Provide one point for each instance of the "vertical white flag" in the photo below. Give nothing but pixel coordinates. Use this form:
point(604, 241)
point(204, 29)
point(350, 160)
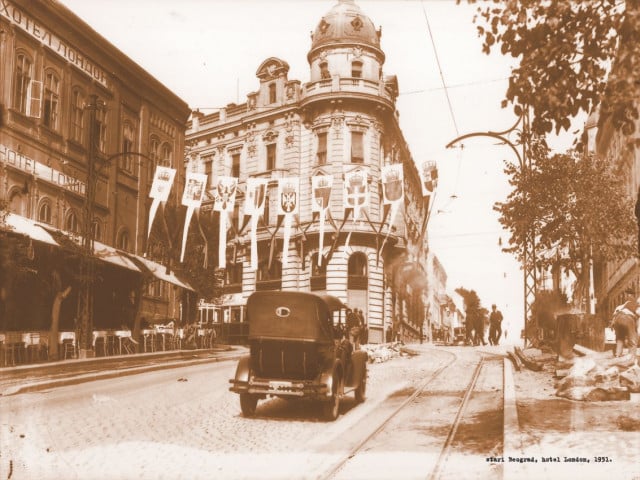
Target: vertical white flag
point(192, 197)
point(224, 198)
point(288, 205)
point(160, 189)
point(254, 205)
point(321, 194)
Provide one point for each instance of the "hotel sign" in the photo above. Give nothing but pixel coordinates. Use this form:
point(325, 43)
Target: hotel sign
point(56, 44)
point(40, 170)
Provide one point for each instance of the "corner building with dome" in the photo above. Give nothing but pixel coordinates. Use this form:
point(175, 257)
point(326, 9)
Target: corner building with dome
point(341, 123)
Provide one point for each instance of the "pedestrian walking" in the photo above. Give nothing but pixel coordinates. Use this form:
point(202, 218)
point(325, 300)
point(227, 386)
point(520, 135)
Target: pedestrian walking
point(495, 325)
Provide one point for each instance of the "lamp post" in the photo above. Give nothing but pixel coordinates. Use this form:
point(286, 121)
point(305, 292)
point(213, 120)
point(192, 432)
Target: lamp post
point(521, 126)
point(95, 165)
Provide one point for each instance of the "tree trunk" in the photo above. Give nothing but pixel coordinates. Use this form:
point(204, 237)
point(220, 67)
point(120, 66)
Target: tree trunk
point(55, 321)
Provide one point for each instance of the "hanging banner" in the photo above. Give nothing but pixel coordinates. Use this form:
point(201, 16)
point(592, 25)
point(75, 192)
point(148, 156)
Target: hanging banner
point(356, 190)
point(288, 199)
point(429, 177)
point(321, 197)
point(160, 189)
point(254, 206)
point(392, 189)
point(224, 199)
point(192, 198)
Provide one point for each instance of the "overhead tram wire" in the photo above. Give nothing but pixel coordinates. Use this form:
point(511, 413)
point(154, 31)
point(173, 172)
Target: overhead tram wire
point(454, 195)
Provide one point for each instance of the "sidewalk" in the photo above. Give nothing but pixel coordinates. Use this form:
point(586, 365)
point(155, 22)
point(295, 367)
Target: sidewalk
point(40, 376)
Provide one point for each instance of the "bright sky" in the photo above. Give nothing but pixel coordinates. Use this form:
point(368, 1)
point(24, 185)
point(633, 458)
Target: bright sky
point(207, 52)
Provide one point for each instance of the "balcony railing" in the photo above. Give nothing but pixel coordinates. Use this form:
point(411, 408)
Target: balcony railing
point(346, 85)
point(357, 282)
point(319, 282)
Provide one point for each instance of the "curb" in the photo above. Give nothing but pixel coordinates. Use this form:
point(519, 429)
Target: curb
point(84, 378)
point(512, 440)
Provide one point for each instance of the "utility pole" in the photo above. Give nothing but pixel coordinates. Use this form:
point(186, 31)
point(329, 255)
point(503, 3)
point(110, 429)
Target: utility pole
point(524, 161)
point(84, 319)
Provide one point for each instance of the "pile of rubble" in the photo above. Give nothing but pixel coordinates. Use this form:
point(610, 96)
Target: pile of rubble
point(383, 352)
point(589, 375)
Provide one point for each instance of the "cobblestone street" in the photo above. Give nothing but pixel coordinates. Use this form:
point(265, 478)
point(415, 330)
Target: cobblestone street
point(181, 423)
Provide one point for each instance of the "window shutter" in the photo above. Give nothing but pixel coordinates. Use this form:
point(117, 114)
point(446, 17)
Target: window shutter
point(34, 99)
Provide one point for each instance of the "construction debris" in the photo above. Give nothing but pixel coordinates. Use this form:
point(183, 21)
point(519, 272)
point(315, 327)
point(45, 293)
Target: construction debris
point(383, 352)
point(597, 377)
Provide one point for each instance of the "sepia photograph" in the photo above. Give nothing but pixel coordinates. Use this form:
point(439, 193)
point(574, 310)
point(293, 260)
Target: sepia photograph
point(319, 239)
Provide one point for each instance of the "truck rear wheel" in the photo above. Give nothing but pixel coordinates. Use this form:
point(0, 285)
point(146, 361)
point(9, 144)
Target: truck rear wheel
point(248, 404)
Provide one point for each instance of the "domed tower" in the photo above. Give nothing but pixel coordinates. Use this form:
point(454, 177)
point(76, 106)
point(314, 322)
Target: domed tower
point(348, 109)
point(345, 43)
point(339, 135)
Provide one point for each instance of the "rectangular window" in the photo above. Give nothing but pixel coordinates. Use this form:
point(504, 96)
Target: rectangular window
point(357, 147)
point(51, 99)
point(322, 148)
point(235, 165)
point(271, 156)
point(356, 69)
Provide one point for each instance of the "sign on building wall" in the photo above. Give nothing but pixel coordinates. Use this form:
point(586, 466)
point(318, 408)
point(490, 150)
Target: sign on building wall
point(58, 46)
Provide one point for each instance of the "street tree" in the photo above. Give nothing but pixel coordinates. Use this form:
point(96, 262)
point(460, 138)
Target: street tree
point(475, 313)
point(573, 55)
point(579, 208)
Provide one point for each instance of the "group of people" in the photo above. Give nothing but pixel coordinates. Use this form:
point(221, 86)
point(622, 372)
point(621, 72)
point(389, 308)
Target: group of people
point(475, 333)
point(625, 323)
point(355, 326)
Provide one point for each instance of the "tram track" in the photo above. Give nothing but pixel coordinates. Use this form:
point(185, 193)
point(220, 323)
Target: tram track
point(434, 460)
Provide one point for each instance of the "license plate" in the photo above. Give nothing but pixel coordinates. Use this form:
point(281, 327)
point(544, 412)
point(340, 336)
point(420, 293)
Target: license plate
point(277, 385)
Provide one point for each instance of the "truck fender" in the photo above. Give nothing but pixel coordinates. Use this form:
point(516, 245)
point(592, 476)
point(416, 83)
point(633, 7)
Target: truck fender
point(328, 376)
point(359, 359)
point(243, 369)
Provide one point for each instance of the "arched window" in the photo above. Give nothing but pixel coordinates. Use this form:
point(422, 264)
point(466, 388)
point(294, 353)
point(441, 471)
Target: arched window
point(96, 230)
point(272, 93)
point(100, 126)
point(154, 155)
point(318, 273)
point(77, 114)
point(269, 278)
point(44, 212)
point(166, 155)
point(22, 82)
point(123, 240)
point(324, 71)
point(51, 100)
point(17, 203)
point(127, 146)
point(72, 224)
point(357, 272)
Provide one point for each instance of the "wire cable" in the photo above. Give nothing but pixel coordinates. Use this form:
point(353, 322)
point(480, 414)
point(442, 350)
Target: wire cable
point(444, 84)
